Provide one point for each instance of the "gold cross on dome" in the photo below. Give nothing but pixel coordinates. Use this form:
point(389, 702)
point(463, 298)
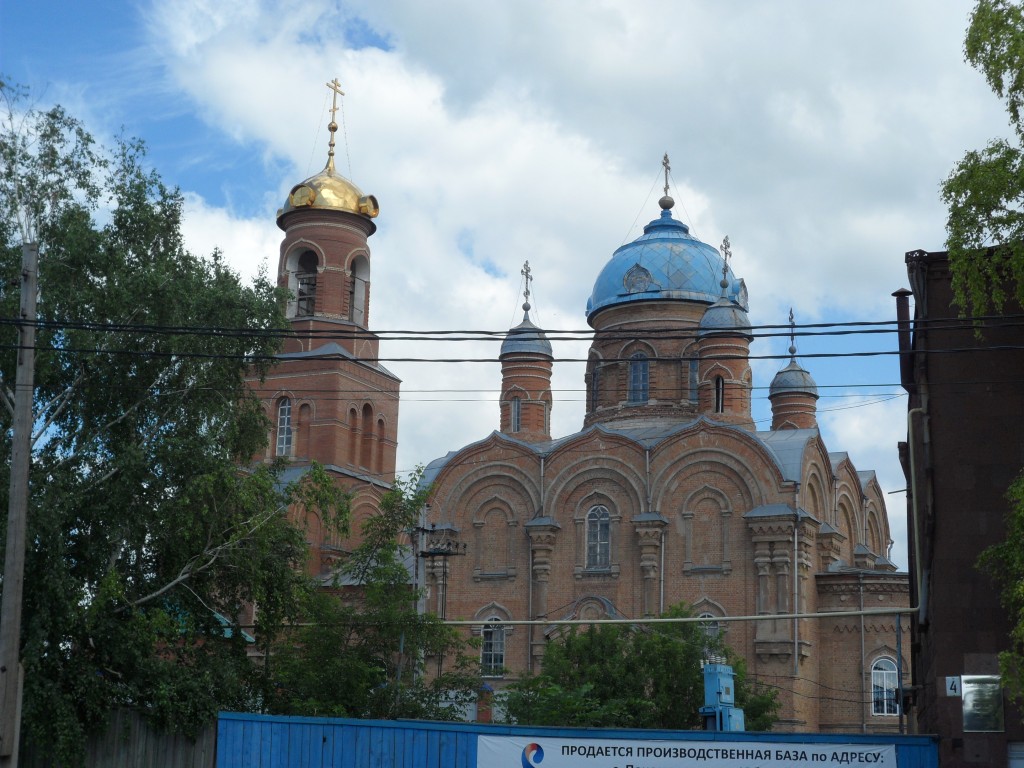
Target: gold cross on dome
point(335, 86)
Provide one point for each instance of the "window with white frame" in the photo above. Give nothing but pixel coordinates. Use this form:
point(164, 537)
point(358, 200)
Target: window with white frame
point(598, 538)
point(639, 378)
point(492, 650)
point(517, 413)
point(884, 687)
point(284, 427)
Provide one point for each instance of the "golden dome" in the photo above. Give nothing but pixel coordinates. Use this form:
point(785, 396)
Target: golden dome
point(329, 190)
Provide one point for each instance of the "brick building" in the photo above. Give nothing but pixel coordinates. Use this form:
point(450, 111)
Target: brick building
point(670, 493)
point(327, 397)
point(965, 446)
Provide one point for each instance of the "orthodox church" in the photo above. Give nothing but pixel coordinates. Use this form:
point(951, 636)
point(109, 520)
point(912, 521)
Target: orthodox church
point(328, 398)
point(671, 493)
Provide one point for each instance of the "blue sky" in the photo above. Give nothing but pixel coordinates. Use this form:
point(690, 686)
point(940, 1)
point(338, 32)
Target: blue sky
point(814, 134)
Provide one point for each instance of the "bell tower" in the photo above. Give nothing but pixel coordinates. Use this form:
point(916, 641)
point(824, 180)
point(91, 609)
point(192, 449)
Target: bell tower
point(328, 397)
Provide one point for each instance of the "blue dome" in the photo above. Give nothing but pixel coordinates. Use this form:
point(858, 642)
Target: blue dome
point(665, 262)
point(793, 379)
point(526, 338)
point(725, 316)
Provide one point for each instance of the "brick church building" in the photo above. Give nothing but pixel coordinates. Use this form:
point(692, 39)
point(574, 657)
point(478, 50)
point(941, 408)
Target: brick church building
point(328, 398)
point(671, 493)
point(668, 494)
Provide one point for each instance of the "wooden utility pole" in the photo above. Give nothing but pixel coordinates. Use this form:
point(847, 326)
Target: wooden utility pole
point(17, 512)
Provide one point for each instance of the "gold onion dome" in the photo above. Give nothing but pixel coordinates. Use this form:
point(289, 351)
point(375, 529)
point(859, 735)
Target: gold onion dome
point(329, 190)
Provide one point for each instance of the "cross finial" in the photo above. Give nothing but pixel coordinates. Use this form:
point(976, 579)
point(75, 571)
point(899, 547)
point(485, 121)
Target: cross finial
point(792, 335)
point(335, 86)
point(528, 277)
point(726, 255)
point(667, 167)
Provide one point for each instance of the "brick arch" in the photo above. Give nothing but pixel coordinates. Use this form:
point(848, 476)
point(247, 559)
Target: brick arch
point(717, 369)
point(483, 480)
point(597, 469)
point(814, 497)
point(633, 346)
point(722, 460)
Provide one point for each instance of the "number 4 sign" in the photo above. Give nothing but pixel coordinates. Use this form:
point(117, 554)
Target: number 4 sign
point(953, 686)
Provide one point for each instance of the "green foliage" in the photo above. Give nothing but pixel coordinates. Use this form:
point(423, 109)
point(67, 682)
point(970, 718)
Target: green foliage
point(630, 676)
point(365, 654)
point(985, 191)
point(1005, 562)
point(145, 540)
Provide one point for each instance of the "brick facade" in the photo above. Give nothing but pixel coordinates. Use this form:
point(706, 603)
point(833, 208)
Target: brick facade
point(669, 495)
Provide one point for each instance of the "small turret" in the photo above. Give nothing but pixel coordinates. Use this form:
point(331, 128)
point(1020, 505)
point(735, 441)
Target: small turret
point(793, 393)
point(723, 336)
point(526, 359)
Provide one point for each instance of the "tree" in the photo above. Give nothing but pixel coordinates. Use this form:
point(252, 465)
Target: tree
point(364, 653)
point(985, 191)
point(1005, 562)
point(146, 541)
point(631, 676)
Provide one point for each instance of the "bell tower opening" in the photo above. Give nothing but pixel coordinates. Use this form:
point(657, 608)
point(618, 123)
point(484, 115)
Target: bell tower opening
point(357, 290)
point(305, 278)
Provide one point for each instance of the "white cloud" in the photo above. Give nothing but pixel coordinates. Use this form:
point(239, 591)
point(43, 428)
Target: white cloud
point(813, 134)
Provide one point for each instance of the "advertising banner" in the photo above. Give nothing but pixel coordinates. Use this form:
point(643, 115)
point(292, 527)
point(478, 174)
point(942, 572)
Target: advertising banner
point(544, 752)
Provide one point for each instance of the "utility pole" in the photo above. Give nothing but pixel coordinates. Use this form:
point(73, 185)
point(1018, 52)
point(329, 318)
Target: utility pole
point(17, 512)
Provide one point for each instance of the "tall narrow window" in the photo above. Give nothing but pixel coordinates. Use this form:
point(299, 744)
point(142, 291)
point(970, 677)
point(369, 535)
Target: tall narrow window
point(719, 394)
point(305, 305)
point(693, 380)
point(516, 410)
point(492, 652)
point(380, 446)
point(884, 687)
point(284, 427)
point(357, 287)
point(639, 378)
point(595, 388)
point(366, 451)
point(598, 538)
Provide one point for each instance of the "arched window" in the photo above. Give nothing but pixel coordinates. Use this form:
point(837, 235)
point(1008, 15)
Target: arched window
point(884, 687)
point(598, 538)
point(360, 276)
point(353, 435)
point(284, 427)
point(719, 394)
point(692, 379)
point(595, 388)
point(712, 629)
point(305, 305)
point(380, 445)
point(492, 650)
point(516, 410)
point(639, 378)
point(366, 451)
